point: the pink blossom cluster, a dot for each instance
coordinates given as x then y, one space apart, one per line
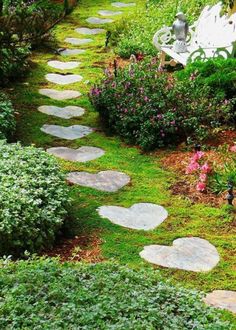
233 148
203 170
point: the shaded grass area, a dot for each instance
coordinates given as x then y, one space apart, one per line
149 182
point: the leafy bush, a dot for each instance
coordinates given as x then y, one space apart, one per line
154 109
33 199
44 294
7 119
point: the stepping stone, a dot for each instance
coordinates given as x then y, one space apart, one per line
144 216
60 95
96 20
76 41
63 65
88 31
67 112
223 299
71 52
109 13
61 79
109 181
123 5
68 133
194 254
83 154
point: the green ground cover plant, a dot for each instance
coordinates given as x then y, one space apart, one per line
33 199
7 118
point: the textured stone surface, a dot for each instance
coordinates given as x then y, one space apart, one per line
194 254
109 181
83 154
66 112
223 299
68 133
60 95
71 52
123 5
109 13
144 216
63 65
76 41
88 31
60 79
96 20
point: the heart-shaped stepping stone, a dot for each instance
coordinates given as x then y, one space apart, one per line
88 31
63 65
144 216
76 41
68 133
123 5
109 13
83 154
66 112
60 79
96 20
60 95
109 181
190 253
71 52
223 299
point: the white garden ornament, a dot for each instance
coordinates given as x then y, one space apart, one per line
211 36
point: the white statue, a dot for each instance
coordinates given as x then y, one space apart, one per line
180 28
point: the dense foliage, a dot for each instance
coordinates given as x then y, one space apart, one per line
44 294
7 119
33 198
155 109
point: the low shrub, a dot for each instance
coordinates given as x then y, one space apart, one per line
45 294
154 109
33 199
7 119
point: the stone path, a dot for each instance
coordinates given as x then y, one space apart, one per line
60 95
69 133
60 79
71 52
89 31
97 20
223 299
123 5
66 112
78 42
83 154
63 65
109 13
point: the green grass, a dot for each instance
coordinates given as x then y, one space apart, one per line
149 181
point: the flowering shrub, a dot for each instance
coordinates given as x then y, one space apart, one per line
33 199
154 109
7 119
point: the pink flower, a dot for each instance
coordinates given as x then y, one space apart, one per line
203 177
201 186
198 155
205 168
233 148
192 167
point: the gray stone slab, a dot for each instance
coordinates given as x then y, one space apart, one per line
71 52
60 95
66 112
144 216
88 31
77 42
61 79
110 181
69 133
63 65
83 154
109 13
190 253
96 20
223 299
123 5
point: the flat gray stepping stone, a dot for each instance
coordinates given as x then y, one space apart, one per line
71 52
88 31
123 5
68 133
194 254
96 20
76 41
109 181
109 13
61 79
60 95
83 154
63 65
66 112
144 216
223 299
